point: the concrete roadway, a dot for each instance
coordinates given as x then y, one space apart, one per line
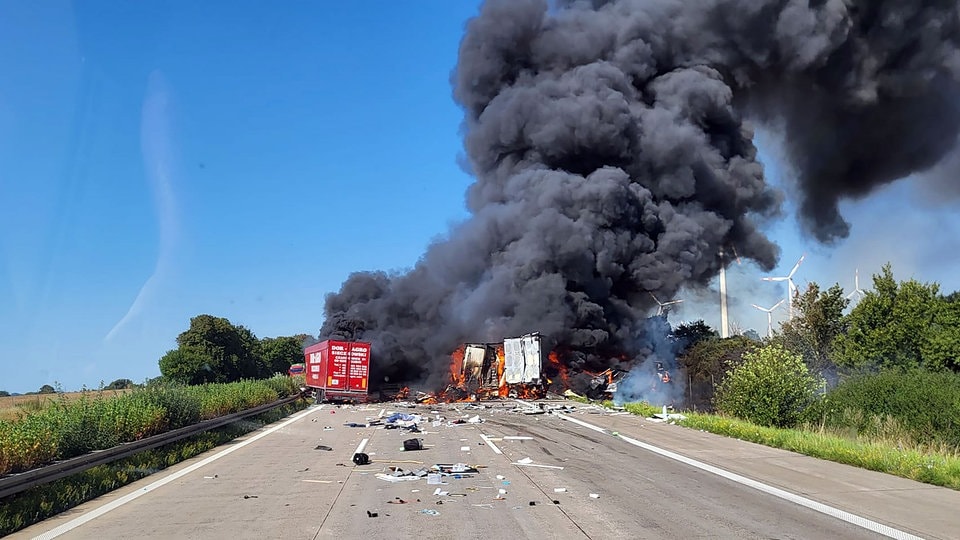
275 484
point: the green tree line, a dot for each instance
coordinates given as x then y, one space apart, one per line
897 325
215 350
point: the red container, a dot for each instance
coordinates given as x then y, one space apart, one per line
338 369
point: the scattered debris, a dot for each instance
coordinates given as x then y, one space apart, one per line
430 512
361 459
518 438
559 490
594 495
412 444
250 497
372 514
323 447
210 477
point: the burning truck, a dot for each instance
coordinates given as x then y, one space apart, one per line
513 368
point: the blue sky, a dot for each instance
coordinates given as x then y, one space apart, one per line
197 157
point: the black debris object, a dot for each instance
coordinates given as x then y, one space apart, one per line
533 503
413 444
323 447
372 514
361 459
250 497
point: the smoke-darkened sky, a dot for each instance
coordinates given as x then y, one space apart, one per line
612 145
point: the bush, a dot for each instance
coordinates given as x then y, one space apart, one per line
919 404
772 387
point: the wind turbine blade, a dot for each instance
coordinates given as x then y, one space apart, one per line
758 307
794 271
777 305
774 278
655 299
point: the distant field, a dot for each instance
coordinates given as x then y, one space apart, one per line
12 407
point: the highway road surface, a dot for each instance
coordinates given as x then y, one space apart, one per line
581 473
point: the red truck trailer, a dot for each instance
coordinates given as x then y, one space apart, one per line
338 370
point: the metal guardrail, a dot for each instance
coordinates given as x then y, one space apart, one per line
15 483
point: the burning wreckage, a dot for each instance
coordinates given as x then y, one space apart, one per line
517 368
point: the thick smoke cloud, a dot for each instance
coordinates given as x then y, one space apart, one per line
612 158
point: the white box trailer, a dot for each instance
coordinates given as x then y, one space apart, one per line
523 359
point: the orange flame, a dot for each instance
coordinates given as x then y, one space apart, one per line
503 391
555 362
457 377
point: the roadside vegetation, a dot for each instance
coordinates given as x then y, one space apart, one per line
876 386
67 428
35 505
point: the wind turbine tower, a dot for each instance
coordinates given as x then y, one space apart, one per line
791 286
769 313
724 318
857 291
664 306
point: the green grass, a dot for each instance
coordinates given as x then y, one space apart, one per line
35 505
98 420
932 464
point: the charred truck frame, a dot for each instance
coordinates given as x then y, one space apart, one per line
513 368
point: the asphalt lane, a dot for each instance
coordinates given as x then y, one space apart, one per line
577 484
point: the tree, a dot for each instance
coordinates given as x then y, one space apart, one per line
188 365
772 387
817 323
688 335
4 393
707 362
940 348
890 325
231 352
47 389
280 352
119 384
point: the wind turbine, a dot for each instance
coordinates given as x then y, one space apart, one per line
857 291
724 319
769 313
661 310
791 286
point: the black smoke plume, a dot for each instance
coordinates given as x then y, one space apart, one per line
612 158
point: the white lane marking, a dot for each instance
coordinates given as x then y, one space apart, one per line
491 444
854 519
93 514
517 463
363 444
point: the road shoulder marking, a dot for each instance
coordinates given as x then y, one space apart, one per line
854 519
